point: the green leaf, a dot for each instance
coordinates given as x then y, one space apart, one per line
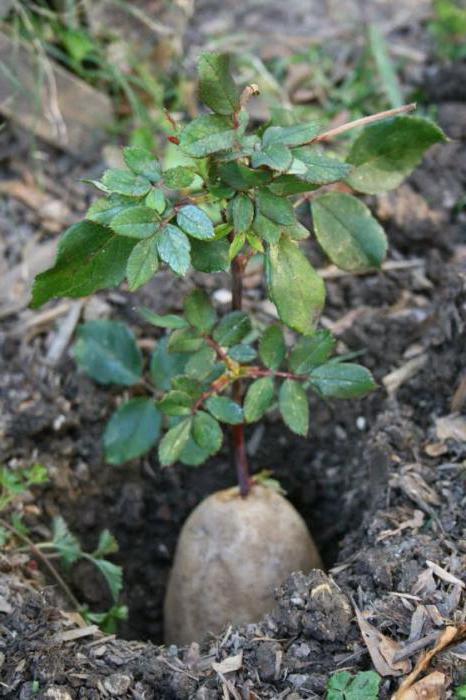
342 380
311 351
285 185
294 286
294 406
174 247
297 231
195 222
185 340
90 257
216 86
125 182
276 156
174 441
199 311
176 403
168 321
232 328
242 213
225 410
385 153
276 208
258 399
320 169
103 210
255 242
201 363
207 432
242 353
207 134
113 575
291 136
107 544
166 365
142 264
272 348
210 256
266 229
193 455
108 352
188 385
131 431
343 686
236 245
178 178
385 67
242 178
66 544
136 222
142 162
348 233
155 200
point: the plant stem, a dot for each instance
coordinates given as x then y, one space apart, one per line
405 109
238 442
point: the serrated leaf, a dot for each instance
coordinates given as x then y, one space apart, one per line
107 544
216 86
207 433
167 321
210 256
193 455
207 134
343 686
66 544
348 233
125 182
232 328
185 340
294 286
385 153
142 162
311 351
242 213
176 403
108 352
276 156
342 380
258 399
320 169
174 441
291 136
272 348
166 365
113 575
90 257
103 210
225 410
178 178
135 222
236 245
155 200
294 406
199 311
266 229
201 363
142 264
242 353
131 431
189 385
240 177
195 222
174 249
284 185
275 208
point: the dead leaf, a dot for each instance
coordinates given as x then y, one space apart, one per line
381 649
231 663
445 575
431 687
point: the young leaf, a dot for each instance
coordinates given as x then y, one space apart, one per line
108 352
342 380
207 433
65 542
199 311
207 134
103 210
258 398
174 441
201 363
276 208
272 348
131 431
113 575
142 162
236 245
174 247
311 351
155 200
242 213
176 403
232 328
135 222
225 410
363 686
319 168
142 264
348 233
294 286
168 321
240 177
276 157
107 545
193 455
195 222
291 136
125 182
266 229
90 257
216 86
165 365
385 153
178 178
294 406
185 340
210 256
284 185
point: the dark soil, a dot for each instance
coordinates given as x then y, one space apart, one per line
382 491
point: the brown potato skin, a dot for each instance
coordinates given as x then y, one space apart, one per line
231 555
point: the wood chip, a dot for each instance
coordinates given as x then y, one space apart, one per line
231 663
77 633
394 380
432 687
444 575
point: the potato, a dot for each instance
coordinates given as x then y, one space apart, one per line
231 555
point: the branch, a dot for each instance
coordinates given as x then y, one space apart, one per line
327 135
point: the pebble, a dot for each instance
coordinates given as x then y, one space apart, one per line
117 683
56 692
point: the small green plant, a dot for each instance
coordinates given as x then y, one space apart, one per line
363 686
235 197
449 28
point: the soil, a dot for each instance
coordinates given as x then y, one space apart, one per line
380 482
